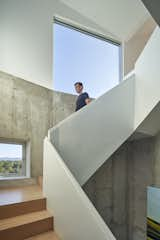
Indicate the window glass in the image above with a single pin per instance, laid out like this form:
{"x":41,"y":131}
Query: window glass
{"x":11,"y":160}
{"x":79,"y":57}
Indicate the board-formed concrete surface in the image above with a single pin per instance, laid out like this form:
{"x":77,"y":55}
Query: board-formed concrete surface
{"x":119,"y":188}
{"x":28,"y":111}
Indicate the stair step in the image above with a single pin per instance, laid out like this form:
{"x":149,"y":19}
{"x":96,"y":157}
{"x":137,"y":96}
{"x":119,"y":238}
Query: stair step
{"x":44,"y":236}
{"x":16,"y":209}
{"x":26,"y":225}
{"x":19,"y":194}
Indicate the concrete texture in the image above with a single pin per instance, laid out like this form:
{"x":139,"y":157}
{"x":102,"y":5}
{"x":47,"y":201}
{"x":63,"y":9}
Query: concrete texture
{"x":107,"y":191}
{"x":28,"y":111}
{"x":156,"y":170}
{"x":140,"y":164}
{"x":62,"y":106}
{"x":119,"y":188}
{"x":153,"y":7}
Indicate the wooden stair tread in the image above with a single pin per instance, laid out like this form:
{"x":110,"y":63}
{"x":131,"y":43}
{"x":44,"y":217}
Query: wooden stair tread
{"x":23,"y":219}
{"x":20,"y":194}
{"x":44,"y":236}
{"x":20,"y":208}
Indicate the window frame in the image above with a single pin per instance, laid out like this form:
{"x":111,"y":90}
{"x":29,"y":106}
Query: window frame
{"x":58,"y":20}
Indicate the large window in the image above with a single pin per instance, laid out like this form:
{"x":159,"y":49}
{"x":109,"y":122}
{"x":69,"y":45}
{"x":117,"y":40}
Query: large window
{"x":12,"y":160}
{"x":79,"y":56}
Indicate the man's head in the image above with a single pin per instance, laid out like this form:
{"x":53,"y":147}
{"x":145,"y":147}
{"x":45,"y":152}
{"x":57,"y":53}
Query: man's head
{"x":78,"y":87}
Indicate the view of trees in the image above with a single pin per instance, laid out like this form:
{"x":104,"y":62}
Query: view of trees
{"x":10,"y":168}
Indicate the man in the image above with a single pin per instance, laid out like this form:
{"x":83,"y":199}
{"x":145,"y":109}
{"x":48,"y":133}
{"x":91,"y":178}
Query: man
{"x":83,"y":98}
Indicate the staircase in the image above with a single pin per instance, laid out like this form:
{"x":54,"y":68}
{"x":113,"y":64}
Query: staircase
{"x":23,"y":214}
{"x":79,"y":145}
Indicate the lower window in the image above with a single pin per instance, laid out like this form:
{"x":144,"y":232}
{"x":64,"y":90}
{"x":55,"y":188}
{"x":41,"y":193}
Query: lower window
{"x":12,"y":160}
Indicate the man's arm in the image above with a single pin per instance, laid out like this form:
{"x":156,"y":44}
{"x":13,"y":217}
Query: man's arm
{"x":87,"y":100}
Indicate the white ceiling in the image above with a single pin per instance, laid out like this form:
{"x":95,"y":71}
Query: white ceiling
{"x":122,"y":18}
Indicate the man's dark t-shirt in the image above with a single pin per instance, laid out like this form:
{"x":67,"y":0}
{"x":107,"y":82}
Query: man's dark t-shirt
{"x":81,"y":100}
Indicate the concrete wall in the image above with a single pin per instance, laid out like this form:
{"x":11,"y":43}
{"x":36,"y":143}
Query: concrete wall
{"x":153,"y":7}
{"x":28,"y":111}
{"x":119,"y":188}
{"x":107,"y":190}
{"x":140,"y":176}
{"x":135,"y":45}
{"x":156,"y":169}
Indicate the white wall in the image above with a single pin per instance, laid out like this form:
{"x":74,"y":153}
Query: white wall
{"x":75,"y":216}
{"x":27,"y":30}
{"x":121,"y":17}
{"x":135,"y":45}
{"x":147,"y":78}
{"x":26,"y":54}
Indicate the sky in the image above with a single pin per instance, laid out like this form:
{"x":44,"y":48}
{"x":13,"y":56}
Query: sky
{"x":80,"y":57}
{"x":10,"y":151}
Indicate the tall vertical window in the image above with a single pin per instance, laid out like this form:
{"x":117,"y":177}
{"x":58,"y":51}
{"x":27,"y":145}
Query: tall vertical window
{"x":12,"y":160}
{"x":81,"y":57}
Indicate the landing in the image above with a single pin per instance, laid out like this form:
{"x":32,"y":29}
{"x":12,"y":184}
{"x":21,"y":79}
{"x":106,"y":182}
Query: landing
{"x":19,"y":194}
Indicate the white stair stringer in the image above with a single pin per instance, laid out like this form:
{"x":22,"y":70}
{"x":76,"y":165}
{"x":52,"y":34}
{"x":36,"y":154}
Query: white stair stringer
{"x":75,"y":217}
{"x":80,"y":144}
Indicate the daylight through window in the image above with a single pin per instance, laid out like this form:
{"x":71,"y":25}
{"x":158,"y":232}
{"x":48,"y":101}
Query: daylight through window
{"x":82,"y":57}
{"x":12,"y":160}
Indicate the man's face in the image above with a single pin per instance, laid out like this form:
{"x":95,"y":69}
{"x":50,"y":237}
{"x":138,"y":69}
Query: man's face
{"x":78,"y":88}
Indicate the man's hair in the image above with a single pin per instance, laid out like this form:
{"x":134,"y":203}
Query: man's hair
{"x":79,"y":83}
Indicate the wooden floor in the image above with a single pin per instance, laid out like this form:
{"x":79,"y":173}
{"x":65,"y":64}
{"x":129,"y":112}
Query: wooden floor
{"x":23,"y":214}
{"x":20,"y":194}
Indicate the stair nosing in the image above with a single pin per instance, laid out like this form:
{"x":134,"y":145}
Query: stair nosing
{"x":38,"y":236}
{"x":19,"y":202}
